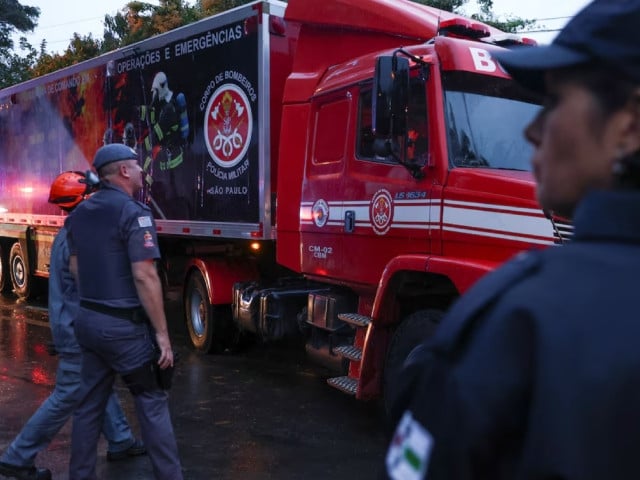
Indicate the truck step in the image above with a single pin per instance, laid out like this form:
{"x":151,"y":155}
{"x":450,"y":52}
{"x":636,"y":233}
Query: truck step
{"x":350,"y":352}
{"x":355,"y":319}
{"x":347,"y":385}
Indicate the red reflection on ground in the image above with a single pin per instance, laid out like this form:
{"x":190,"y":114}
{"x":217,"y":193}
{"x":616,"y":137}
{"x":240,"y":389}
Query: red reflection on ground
{"x":39,"y":376}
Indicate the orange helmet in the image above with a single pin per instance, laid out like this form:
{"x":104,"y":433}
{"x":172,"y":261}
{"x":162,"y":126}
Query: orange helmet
{"x":69,"y":189}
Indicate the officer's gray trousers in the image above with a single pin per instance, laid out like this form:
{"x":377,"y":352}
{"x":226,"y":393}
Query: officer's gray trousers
{"x":112,"y":345}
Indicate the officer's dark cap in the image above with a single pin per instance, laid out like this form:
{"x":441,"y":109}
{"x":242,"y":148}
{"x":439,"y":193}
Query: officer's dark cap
{"x":605,"y":32}
{"x":113,"y":153}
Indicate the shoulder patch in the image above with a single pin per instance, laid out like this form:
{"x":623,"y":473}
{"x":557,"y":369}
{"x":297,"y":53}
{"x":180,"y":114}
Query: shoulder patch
{"x":410,"y":450}
{"x":144,"y":222}
{"x":148,"y":240}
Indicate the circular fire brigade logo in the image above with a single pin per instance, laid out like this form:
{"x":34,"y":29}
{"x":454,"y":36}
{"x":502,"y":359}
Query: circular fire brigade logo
{"x":381,"y":211}
{"x":320,"y":213}
{"x":228,"y":125}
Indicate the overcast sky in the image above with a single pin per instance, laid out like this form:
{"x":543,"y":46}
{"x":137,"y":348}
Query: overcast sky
{"x":59,"y":19}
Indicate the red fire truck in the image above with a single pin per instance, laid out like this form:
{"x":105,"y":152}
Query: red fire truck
{"x":334,"y":171}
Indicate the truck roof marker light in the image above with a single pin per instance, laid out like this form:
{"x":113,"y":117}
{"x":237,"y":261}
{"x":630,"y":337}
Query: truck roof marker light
{"x":511,"y":39}
{"x":463,"y":27}
{"x":251,"y":25}
{"x":258,"y":8}
{"x":277,"y":26}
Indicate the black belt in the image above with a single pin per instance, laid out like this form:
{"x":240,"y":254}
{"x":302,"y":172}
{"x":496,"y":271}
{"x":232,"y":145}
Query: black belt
{"x":134,"y":314}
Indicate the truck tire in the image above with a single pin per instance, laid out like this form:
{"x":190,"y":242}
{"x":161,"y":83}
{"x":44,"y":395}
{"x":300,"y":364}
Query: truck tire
{"x":21,"y":280}
{"x":412,"y":331}
{"x":204,"y":320}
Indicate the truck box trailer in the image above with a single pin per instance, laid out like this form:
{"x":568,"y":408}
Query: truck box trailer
{"x":337,"y":172}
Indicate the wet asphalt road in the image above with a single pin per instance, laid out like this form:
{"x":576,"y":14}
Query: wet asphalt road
{"x":264,"y":413}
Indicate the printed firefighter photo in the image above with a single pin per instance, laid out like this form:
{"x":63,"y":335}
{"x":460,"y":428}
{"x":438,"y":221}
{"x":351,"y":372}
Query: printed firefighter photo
{"x":159,"y":131}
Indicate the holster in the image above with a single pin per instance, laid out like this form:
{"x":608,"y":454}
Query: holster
{"x":164,"y":377}
{"x":142,"y":379}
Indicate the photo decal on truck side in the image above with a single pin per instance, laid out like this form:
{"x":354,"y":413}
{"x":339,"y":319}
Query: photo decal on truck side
{"x":189,"y":106}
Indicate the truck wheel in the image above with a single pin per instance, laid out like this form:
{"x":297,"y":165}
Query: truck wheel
{"x":203,"y":319}
{"x":410,"y":333}
{"x":20,"y":278}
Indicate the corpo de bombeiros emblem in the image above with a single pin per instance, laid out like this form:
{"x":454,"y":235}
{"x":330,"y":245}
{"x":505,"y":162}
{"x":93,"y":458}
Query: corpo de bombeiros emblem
{"x":320,"y":213}
{"x":381,"y":211}
{"x":228,"y":125}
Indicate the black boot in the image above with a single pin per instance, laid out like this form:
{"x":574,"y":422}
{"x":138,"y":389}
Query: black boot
{"x":24,"y":473}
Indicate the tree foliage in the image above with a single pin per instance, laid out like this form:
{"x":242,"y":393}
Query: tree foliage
{"x":15,"y":18}
{"x":139,"y":20}
{"x":80,"y":49}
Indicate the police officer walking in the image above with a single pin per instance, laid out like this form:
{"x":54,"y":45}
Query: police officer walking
{"x":67,"y":191}
{"x":122,"y":326}
{"x":535,"y":372}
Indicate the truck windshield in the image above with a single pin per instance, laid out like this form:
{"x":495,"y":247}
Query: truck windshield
{"x":486,"y":117}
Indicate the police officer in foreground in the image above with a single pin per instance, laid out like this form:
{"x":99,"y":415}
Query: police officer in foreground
{"x":67,"y":191}
{"x":121,"y":326}
{"x":535,"y":372}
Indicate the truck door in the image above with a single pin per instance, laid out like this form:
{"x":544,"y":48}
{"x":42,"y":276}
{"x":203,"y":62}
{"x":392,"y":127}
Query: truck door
{"x":321,"y":224}
{"x":387,"y":205}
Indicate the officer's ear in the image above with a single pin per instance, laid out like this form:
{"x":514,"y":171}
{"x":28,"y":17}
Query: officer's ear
{"x":125,"y":168}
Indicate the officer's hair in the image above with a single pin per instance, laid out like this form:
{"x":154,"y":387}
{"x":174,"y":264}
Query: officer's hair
{"x":110,"y":168}
{"x":613,"y":91}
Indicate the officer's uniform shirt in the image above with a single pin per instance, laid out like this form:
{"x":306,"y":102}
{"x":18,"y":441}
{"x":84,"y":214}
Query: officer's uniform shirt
{"x":108,"y":232}
{"x":63,"y":297}
{"x":535,"y":372}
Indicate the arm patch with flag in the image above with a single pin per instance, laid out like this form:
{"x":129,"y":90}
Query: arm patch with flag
{"x":410,"y":450}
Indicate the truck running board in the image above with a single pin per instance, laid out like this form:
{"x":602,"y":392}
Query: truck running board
{"x":347,"y":385}
{"x":355,"y":319}
{"x":353,"y":353}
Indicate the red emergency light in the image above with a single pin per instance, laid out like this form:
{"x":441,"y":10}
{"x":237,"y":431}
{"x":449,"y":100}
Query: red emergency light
{"x":463,"y":27}
{"x":509,"y":39}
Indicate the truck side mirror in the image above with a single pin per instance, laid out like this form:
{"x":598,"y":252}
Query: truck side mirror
{"x":390,"y":95}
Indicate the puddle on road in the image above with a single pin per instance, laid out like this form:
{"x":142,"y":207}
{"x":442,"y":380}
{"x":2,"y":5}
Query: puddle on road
{"x":24,"y":335}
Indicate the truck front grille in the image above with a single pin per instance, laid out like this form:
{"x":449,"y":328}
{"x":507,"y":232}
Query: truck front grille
{"x":562,"y":231}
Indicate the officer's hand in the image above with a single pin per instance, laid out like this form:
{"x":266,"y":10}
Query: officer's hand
{"x":166,"y":353}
